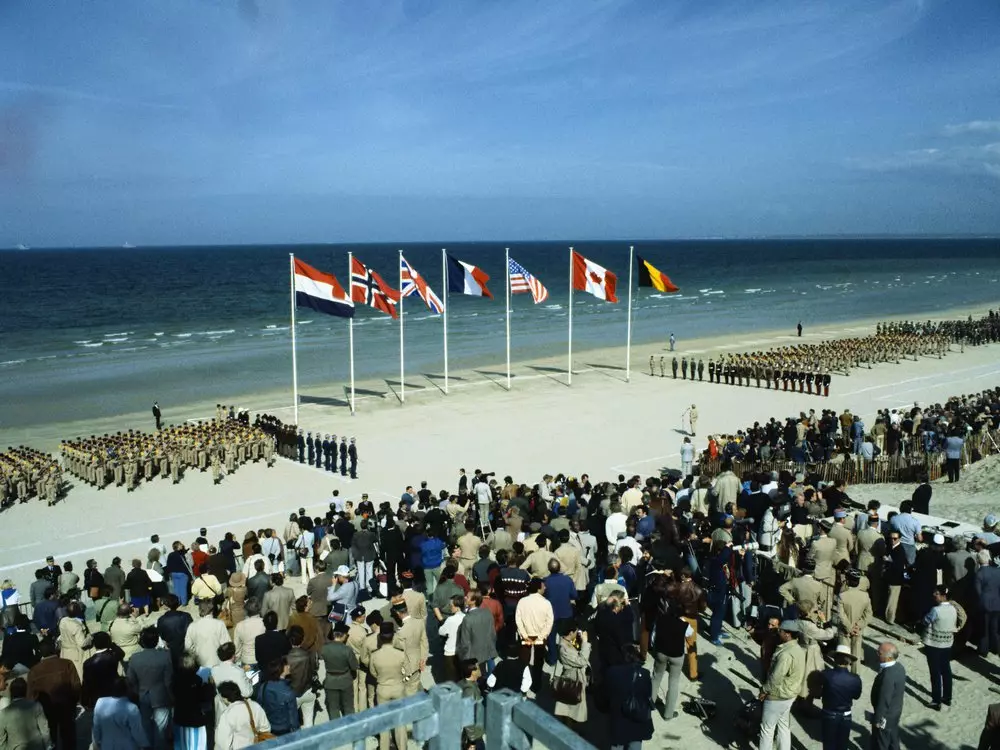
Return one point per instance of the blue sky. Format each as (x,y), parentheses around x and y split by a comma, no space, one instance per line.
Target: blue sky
(212,121)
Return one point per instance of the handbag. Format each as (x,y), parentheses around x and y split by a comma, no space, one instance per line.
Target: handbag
(226,616)
(635,708)
(257,736)
(565,689)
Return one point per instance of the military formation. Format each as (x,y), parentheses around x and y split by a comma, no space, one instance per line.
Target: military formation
(26,473)
(321,451)
(807,368)
(126,459)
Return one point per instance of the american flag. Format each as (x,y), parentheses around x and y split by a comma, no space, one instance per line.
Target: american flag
(522,281)
(413,283)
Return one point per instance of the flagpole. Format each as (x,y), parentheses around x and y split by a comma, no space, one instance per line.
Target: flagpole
(507,267)
(569,367)
(350,326)
(295,363)
(628,335)
(402,371)
(444,277)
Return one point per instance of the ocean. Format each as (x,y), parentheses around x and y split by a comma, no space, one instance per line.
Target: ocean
(88,333)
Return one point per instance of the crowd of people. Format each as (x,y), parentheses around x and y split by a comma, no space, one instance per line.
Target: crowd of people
(26,473)
(960,428)
(588,597)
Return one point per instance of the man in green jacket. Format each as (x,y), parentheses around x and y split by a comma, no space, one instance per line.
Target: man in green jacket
(781,688)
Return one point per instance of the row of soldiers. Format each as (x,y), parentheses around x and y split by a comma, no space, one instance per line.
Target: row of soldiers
(740,369)
(286,436)
(127,458)
(971,331)
(322,451)
(26,473)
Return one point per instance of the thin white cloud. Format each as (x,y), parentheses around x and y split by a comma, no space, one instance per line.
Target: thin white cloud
(975,126)
(69,93)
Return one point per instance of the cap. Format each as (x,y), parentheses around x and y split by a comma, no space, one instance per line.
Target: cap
(840,513)
(343,570)
(825,525)
(357,612)
(846,651)
(990,520)
(790,626)
(50,558)
(938,539)
(386,630)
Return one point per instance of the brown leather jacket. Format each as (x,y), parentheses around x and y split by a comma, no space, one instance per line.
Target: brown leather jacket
(689,595)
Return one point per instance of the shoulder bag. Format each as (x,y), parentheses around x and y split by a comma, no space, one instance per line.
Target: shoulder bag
(567,690)
(258,737)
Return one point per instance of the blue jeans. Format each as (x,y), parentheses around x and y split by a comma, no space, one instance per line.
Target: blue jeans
(836,731)
(179,581)
(718,601)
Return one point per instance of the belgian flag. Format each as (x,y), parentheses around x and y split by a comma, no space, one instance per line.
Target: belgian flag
(649,276)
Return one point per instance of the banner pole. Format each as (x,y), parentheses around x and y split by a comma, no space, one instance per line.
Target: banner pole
(569,365)
(402,369)
(507,268)
(295,362)
(350,328)
(628,335)
(444,277)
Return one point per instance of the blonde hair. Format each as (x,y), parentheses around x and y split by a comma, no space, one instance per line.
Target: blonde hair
(7,585)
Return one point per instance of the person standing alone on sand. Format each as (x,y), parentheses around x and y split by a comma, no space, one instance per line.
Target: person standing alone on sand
(156,414)
(673,341)
(799,328)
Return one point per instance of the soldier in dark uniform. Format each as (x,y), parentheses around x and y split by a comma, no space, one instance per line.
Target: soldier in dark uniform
(802,381)
(352,454)
(711,371)
(784,378)
(326,453)
(826,384)
(311,449)
(701,369)
(343,457)
(302,448)
(809,382)
(757,369)
(684,368)
(673,366)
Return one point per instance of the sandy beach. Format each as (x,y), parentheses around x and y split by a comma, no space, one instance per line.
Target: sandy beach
(600,425)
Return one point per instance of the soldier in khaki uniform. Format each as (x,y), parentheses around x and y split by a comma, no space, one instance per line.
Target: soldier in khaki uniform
(368,647)
(411,639)
(823,553)
(871,554)
(804,591)
(847,545)
(387,665)
(855,612)
(356,635)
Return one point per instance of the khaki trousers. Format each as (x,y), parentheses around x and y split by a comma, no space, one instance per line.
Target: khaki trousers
(384,694)
(854,641)
(892,604)
(692,648)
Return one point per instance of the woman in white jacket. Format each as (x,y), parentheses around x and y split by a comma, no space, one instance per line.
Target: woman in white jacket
(241,721)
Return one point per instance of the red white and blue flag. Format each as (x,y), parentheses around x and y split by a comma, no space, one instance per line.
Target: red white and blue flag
(368,288)
(466,278)
(413,283)
(522,281)
(321,291)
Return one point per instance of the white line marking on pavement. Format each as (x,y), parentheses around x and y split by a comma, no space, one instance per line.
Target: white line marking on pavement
(617,467)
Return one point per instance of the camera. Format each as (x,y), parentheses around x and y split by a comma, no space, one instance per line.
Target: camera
(748,547)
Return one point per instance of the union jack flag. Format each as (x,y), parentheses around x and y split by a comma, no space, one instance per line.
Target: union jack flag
(368,288)
(522,281)
(413,283)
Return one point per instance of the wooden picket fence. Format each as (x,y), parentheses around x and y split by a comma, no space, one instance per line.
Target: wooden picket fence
(884,469)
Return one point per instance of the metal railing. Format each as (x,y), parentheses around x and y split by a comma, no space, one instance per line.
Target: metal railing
(438,718)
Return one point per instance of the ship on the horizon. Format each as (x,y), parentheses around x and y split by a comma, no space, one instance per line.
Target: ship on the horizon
(20,246)
(128,246)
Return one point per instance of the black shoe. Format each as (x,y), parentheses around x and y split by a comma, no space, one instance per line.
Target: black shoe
(935,706)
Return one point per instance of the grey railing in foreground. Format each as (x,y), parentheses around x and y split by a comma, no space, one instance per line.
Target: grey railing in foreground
(438,718)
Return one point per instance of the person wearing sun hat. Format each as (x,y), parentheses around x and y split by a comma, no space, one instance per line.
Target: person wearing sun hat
(841,687)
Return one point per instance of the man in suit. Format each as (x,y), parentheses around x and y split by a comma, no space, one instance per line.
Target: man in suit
(411,639)
(887,698)
(172,627)
(895,575)
(921,498)
(150,674)
(21,645)
(316,590)
(280,600)
(156,414)
(823,553)
(22,723)
(477,638)
(272,644)
(55,684)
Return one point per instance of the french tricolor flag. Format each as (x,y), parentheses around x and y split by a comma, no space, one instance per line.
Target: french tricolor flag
(321,291)
(466,278)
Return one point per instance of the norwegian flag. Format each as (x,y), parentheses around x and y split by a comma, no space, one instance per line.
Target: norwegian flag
(368,288)
(522,281)
(413,283)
